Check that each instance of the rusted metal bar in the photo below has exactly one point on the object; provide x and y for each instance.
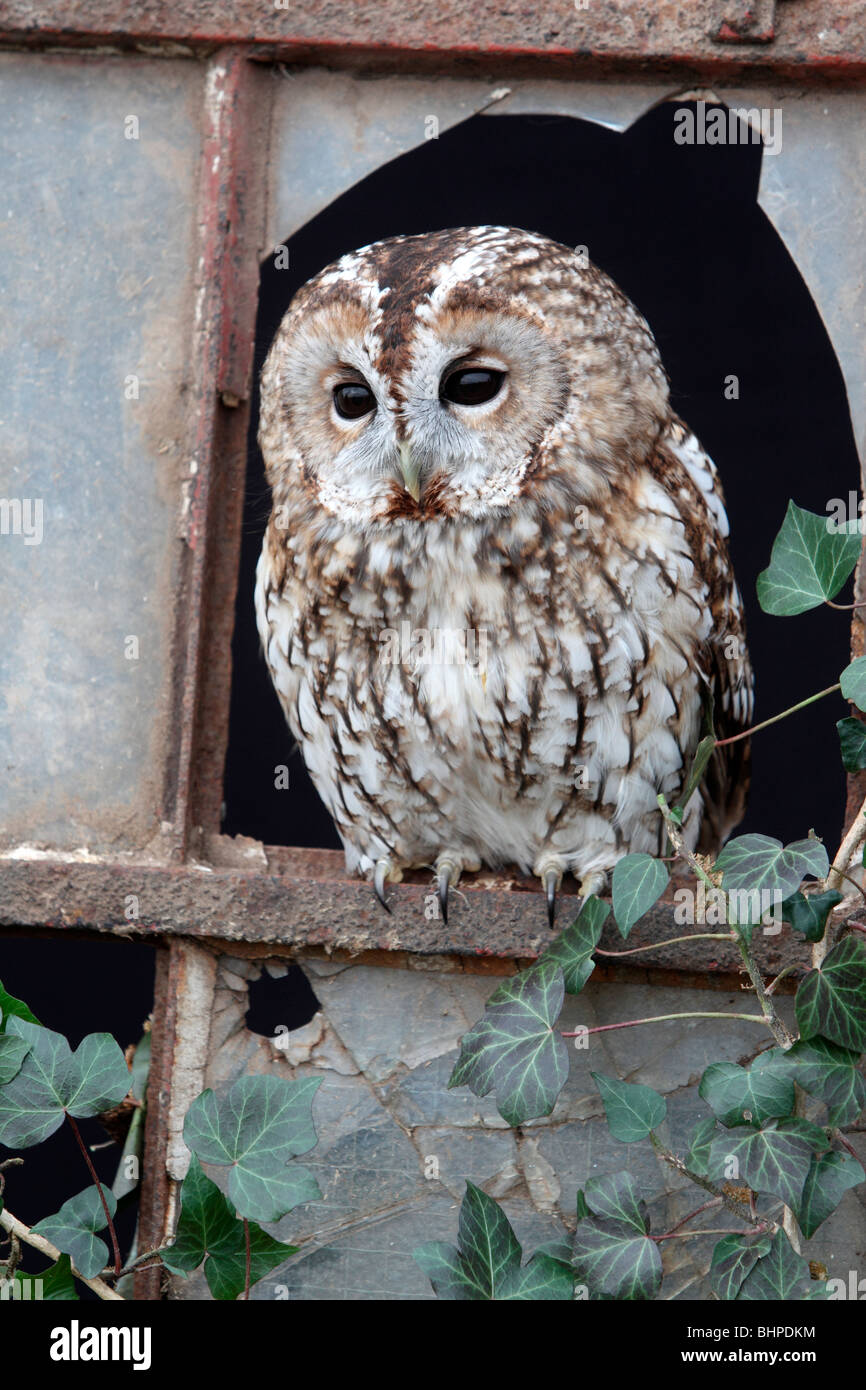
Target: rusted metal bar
(564, 36)
(303, 899)
(155, 1184)
(232, 197)
(745, 21)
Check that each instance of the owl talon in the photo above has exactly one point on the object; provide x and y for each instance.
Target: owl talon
(550, 871)
(551, 879)
(447, 874)
(379, 878)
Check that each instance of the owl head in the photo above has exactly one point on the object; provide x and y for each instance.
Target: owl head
(447, 375)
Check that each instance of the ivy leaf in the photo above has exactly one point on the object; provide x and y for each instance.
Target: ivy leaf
(72, 1229)
(809, 913)
(699, 1149)
(638, 881)
(574, 947)
(853, 682)
(828, 1180)
(485, 1265)
(613, 1254)
(832, 1000)
(752, 1096)
(733, 1259)
(54, 1285)
(703, 753)
(632, 1111)
(852, 743)
(780, 1275)
(544, 1277)
(827, 1072)
(58, 1285)
(12, 1053)
(53, 1080)
(514, 1050)
(10, 1007)
(209, 1230)
(809, 563)
(775, 1159)
(615, 1197)
(256, 1129)
(760, 864)
(141, 1068)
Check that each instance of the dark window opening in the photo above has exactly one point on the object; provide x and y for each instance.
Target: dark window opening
(287, 1002)
(678, 227)
(75, 987)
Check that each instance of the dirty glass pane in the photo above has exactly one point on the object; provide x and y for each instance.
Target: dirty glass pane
(98, 171)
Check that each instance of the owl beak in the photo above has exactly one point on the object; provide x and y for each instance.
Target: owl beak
(410, 471)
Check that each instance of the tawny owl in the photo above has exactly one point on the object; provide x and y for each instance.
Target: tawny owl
(494, 592)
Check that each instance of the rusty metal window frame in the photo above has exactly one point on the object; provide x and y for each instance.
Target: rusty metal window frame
(270, 900)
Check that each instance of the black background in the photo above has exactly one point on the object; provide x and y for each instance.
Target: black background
(679, 229)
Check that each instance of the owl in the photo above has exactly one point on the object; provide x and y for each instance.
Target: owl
(494, 593)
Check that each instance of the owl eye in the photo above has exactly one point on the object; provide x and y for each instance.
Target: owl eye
(471, 385)
(352, 399)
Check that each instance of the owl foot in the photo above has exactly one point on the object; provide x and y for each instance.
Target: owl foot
(591, 883)
(380, 876)
(550, 872)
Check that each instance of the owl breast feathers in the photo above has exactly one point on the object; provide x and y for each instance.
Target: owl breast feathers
(494, 593)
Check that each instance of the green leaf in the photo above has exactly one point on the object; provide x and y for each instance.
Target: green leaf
(832, 1000)
(53, 1080)
(853, 682)
(780, 1275)
(10, 1007)
(638, 881)
(53, 1285)
(738, 1095)
(733, 1259)
(699, 1149)
(574, 947)
(58, 1285)
(514, 1050)
(256, 1129)
(141, 1068)
(826, 1071)
(775, 1159)
(808, 913)
(209, 1230)
(809, 563)
(12, 1053)
(615, 1197)
(615, 1265)
(758, 863)
(828, 1180)
(72, 1229)
(485, 1266)
(632, 1111)
(703, 753)
(613, 1254)
(852, 743)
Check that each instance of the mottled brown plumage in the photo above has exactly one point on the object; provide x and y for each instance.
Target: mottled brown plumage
(493, 624)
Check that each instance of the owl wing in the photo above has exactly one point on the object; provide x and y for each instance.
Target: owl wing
(690, 475)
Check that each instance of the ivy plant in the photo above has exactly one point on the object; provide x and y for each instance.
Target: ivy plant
(755, 1157)
(255, 1131)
